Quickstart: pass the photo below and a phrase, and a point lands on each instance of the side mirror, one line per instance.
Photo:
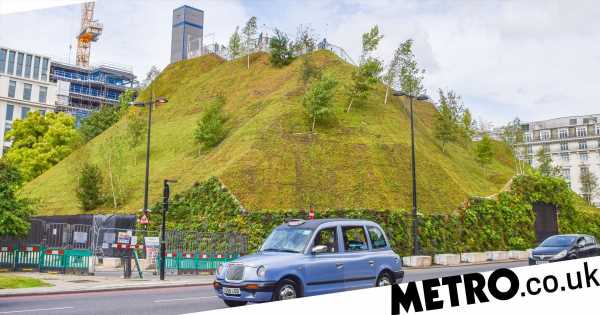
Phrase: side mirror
(319, 249)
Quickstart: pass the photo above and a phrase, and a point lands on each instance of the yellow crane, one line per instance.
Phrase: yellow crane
(90, 31)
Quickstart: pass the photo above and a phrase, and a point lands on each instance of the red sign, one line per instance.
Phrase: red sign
(144, 219)
(311, 214)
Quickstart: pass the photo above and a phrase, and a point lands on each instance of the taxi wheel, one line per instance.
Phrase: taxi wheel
(384, 279)
(286, 289)
(232, 303)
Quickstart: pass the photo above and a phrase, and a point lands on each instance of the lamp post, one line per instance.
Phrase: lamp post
(415, 223)
(150, 104)
(163, 246)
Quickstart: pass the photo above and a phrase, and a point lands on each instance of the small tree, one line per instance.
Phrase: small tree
(305, 40)
(235, 44)
(445, 122)
(317, 100)
(589, 185)
(369, 69)
(391, 76)
(545, 166)
(89, 188)
(249, 32)
(137, 125)
(152, 74)
(281, 49)
(411, 77)
(14, 211)
(483, 151)
(467, 124)
(309, 70)
(98, 121)
(210, 130)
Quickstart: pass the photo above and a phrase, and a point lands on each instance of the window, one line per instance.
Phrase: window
(545, 135)
(564, 146)
(12, 88)
(42, 112)
(328, 237)
(3, 53)
(573, 121)
(20, 58)
(354, 238)
(566, 174)
(583, 145)
(27, 92)
(10, 109)
(43, 94)
(10, 69)
(28, 66)
(377, 238)
(527, 137)
(546, 148)
(581, 131)
(7, 127)
(44, 69)
(597, 126)
(564, 157)
(583, 156)
(36, 68)
(563, 133)
(24, 112)
(584, 171)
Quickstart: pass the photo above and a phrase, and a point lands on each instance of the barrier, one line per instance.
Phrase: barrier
(78, 261)
(7, 258)
(52, 260)
(27, 258)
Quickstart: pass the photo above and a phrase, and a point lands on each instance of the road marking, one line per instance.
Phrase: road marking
(39, 310)
(185, 299)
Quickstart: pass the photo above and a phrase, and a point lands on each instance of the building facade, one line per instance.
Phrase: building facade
(187, 32)
(573, 143)
(25, 86)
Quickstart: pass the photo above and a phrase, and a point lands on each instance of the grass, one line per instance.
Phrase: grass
(18, 282)
(269, 158)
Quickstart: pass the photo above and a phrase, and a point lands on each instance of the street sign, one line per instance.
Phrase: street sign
(144, 219)
(152, 241)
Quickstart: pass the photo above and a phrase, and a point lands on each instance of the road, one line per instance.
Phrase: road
(171, 300)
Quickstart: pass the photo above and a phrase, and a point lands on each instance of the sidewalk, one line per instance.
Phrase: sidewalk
(103, 281)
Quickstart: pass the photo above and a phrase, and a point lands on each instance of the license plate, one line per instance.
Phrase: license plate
(540, 262)
(231, 291)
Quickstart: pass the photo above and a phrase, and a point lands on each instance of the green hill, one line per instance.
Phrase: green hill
(269, 160)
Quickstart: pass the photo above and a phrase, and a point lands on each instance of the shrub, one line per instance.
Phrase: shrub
(210, 130)
(281, 49)
(89, 189)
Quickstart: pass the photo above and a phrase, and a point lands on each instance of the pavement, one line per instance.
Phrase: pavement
(108, 294)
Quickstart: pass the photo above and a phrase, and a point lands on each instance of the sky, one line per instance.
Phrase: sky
(529, 59)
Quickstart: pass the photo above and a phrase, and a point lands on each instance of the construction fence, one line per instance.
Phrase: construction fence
(76, 248)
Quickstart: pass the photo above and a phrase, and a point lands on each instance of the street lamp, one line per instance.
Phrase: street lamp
(163, 245)
(416, 245)
(149, 104)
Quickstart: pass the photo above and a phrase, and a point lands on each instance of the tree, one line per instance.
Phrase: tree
(445, 127)
(467, 124)
(369, 69)
(281, 49)
(14, 211)
(89, 187)
(411, 77)
(483, 151)
(210, 130)
(249, 32)
(391, 76)
(99, 121)
(589, 185)
(39, 142)
(513, 136)
(309, 70)
(545, 166)
(317, 100)
(152, 74)
(112, 153)
(305, 40)
(136, 126)
(235, 44)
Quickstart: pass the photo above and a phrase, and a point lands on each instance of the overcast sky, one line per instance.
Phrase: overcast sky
(531, 59)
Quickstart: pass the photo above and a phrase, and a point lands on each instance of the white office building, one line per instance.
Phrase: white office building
(573, 144)
(24, 86)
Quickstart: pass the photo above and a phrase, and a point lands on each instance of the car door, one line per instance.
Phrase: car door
(358, 269)
(324, 271)
(580, 247)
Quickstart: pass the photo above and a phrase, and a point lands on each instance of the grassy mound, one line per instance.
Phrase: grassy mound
(269, 159)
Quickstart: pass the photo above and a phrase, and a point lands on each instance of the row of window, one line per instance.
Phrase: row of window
(10, 112)
(563, 133)
(24, 65)
(354, 238)
(566, 172)
(564, 147)
(27, 88)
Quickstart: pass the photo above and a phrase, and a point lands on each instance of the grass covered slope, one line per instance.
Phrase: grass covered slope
(269, 159)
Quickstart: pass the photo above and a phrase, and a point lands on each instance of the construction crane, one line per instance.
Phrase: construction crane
(90, 31)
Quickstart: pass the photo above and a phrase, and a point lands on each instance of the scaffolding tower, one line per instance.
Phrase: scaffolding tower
(90, 31)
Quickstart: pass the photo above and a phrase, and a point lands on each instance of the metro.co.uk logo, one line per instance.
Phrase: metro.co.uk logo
(502, 285)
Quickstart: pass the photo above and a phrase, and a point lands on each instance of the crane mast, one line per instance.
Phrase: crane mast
(90, 31)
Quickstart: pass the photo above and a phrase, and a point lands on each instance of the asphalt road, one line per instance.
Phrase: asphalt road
(170, 300)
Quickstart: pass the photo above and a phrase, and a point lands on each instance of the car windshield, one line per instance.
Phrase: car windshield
(558, 241)
(287, 240)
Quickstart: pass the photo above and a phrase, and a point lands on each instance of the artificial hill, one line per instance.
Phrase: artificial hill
(269, 159)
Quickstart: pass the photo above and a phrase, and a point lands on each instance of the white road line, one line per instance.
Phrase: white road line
(186, 299)
(39, 310)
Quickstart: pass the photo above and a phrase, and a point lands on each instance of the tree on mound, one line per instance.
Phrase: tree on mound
(282, 50)
(317, 99)
(210, 130)
(366, 76)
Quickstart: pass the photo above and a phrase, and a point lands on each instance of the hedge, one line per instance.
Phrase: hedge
(503, 223)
